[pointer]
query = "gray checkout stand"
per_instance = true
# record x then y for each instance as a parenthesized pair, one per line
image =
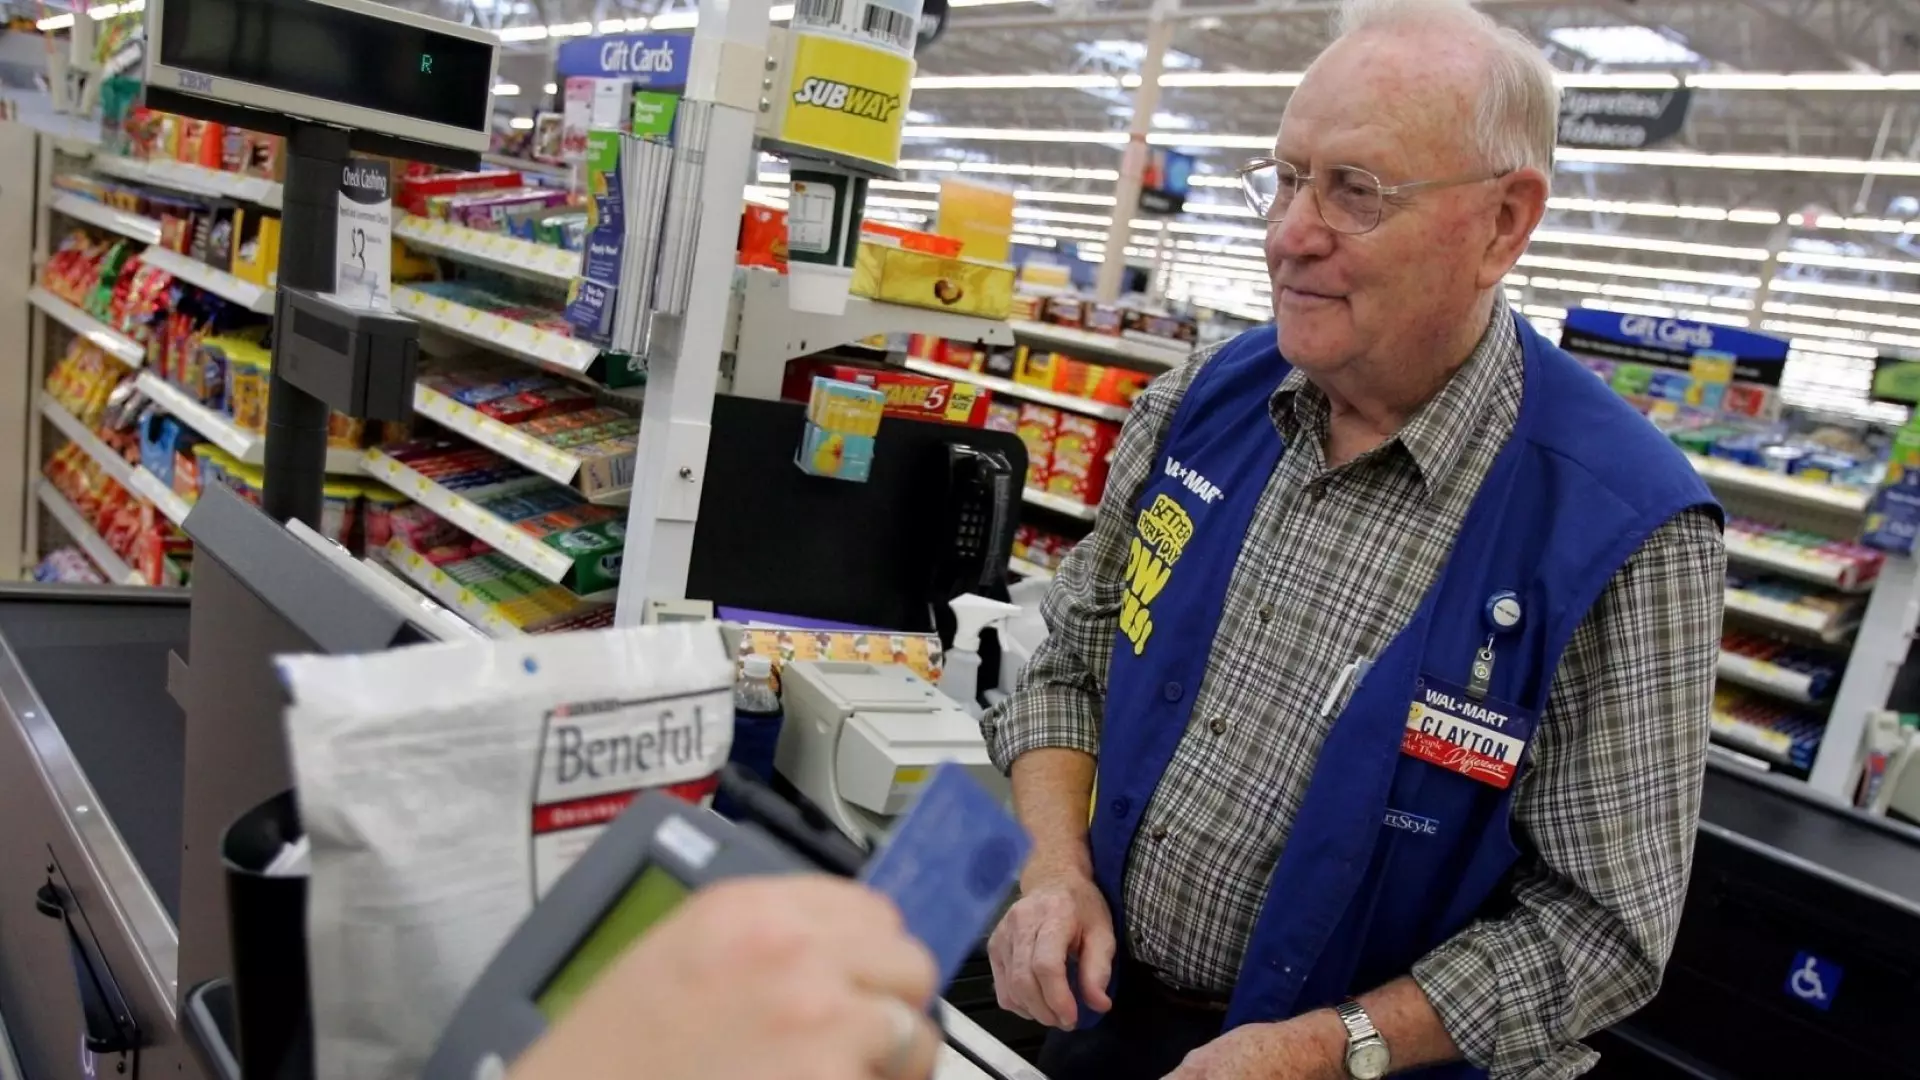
(113, 796)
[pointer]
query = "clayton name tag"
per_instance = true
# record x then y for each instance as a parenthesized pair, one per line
(1481, 740)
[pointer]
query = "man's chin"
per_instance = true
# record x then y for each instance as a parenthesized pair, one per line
(1308, 351)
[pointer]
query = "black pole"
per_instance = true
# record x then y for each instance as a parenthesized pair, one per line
(296, 463)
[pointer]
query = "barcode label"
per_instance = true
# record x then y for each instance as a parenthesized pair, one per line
(818, 12)
(888, 25)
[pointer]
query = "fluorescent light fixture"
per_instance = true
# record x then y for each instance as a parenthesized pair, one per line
(613, 26)
(1016, 82)
(1647, 243)
(1221, 209)
(675, 20)
(55, 22)
(1232, 78)
(1834, 348)
(1065, 216)
(958, 134)
(1686, 159)
(902, 204)
(1802, 329)
(576, 29)
(550, 88)
(1639, 209)
(1542, 311)
(1853, 224)
(522, 33)
(1615, 80)
(1851, 315)
(506, 89)
(780, 13)
(1215, 181)
(1802, 81)
(1065, 197)
(1658, 273)
(521, 123)
(108, 11)
(1623, 45)
(1852, 262)
(1843, 292)
(1747, 216)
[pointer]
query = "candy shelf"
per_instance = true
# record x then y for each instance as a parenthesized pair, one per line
(437, 584)
(766, 332)
(549, 461)
(255, 298)
(148, 486)
(119, 346)
(1734, 476)
(506, 539)
(90, 444)
(133, 226)
(1059, 505)
(220, 430)
(1795, 563)
(514, 339)
(507, 254)
(1030, 570)
(1772, 745)
(1821, 624)
(1009, 388)
(109, 562)
(1770, 678)
(1147, 354)
(197, 179)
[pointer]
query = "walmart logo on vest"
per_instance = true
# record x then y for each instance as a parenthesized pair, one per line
(1194, 482)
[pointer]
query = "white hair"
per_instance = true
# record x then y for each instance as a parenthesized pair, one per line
(1518, 115)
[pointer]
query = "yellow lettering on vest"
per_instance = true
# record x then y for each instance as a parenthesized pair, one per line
(1149, 578)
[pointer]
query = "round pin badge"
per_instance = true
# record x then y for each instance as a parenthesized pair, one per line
(1503, 611)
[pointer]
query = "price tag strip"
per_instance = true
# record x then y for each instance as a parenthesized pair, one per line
(504, 335)
(508, 252)
(440, 585)
(509, 541)
(549, 461)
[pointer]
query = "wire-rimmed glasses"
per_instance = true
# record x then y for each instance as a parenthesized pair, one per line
(1350, 199)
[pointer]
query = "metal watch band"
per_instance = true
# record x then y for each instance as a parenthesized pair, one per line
(1359, 1025)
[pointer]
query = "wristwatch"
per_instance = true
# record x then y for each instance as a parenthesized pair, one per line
(1367, 1057)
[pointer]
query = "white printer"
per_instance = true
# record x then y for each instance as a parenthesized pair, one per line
(860, 739)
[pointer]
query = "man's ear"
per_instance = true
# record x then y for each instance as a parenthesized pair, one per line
(1522, 196)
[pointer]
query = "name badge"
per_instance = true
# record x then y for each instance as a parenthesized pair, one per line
(1481, 740)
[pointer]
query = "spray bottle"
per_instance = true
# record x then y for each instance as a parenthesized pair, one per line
(971, 614)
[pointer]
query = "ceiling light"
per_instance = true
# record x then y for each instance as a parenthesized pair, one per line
(1644, 243)
(550, 88)
(55, 22)
(1069, 197)
(577, 29)
(1214, 142)
(675, 20)
(1220, 209)
(1060, 215)
(522, 33)
(925, 131)
(1232, 78)
(1851, 262)
(1835, 348)
(1753, 217)
(506, 89)
(1585, 266)
(1623, 45)
(1615, 80)
(1015, 82)
(1852, 315)
(902, 204)
(1788, 326)
(1686, 159)
(1843, 292)
(1543, 311)
(613, 26)
(1643, 209)
(780, 13)
(1806, 80)
(1854, 224)
(521, 123)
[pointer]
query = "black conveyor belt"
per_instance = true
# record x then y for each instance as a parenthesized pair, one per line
(1880, 855)
(100, 667)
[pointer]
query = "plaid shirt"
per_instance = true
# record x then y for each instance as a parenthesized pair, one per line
(1335, 562)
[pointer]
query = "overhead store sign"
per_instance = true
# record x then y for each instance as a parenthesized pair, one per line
(1673, 343)
(1165, 180)
(650, 61)
(1621, 119)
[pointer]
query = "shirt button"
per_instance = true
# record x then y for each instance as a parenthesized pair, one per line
(1159, 833)
(1171, 691)
(1219, 726)
(1120, 806)
(1266, 613)
(1316, 491)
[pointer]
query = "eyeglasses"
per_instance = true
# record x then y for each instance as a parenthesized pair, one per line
(1350, 199)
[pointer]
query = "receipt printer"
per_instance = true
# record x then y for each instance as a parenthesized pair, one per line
(860, 739)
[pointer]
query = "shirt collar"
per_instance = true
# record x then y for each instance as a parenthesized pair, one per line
(1434, 436)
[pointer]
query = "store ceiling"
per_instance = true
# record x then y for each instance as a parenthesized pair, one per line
(1772, 244)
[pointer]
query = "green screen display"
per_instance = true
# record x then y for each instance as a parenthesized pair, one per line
(651, 896)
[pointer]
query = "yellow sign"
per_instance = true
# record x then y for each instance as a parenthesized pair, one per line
(980, 217)
(846, 98)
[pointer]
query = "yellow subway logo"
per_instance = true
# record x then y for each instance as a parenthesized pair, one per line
(846, 98)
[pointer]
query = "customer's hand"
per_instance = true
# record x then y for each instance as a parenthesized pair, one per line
(778, 978)
(1059, 916)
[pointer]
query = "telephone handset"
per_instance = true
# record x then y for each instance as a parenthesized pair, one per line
(981, 500)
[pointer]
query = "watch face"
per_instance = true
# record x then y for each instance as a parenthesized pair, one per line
(1368, 1061)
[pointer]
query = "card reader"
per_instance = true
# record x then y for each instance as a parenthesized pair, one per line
(651, 858)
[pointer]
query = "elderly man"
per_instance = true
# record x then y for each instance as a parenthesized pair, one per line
(1392, 646)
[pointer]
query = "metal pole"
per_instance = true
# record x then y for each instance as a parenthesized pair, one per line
(1162, 268)
(1127, 192)
(729, 54)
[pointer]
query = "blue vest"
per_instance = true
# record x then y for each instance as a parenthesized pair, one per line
(1577, 488)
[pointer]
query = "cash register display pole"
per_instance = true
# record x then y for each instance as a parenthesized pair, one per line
(296, 420)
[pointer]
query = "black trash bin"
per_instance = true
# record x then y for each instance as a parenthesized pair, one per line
(267, 929)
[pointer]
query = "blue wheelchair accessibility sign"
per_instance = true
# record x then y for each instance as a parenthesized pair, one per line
(1813, 980)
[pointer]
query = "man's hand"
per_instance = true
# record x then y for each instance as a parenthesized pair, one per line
(1058, 916)
(1304, 1048)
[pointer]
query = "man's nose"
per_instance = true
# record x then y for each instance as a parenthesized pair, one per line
(1299, 232)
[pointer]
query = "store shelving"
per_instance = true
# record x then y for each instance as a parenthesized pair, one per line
(1772, 744)
(515, 339)
(549, 461)
(1029, 570)
(1009, 388)
(117, 345)
(132, 226)
(506, 539)
(1733, 476)
(455, 597)
(196, 179)
(108, 561)
(1147, 354)
(90, 444)
(1827, 626)
(220, 429)
(1832, 573)
(255, 298)
(148, 486)
(1758, 674)
(1059, 505)
(543, 263)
